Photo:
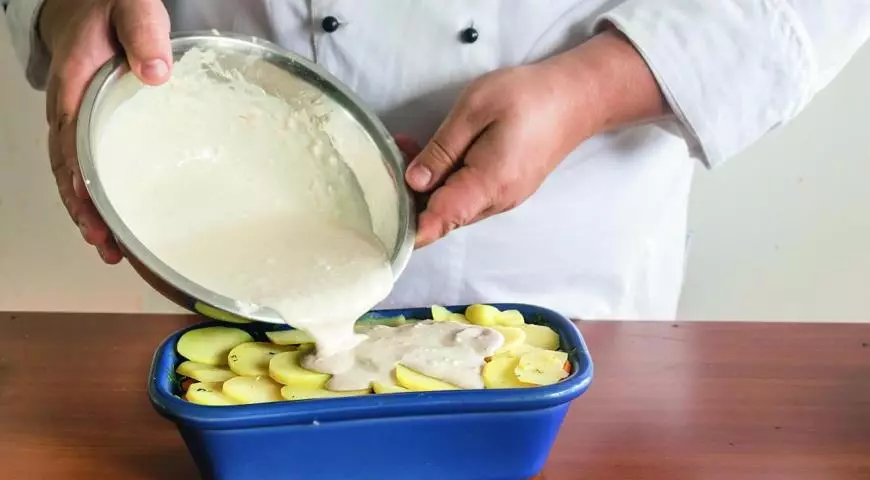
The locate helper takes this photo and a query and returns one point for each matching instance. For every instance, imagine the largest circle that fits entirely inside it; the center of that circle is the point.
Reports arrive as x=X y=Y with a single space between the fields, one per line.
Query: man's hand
x=512 y=127
x=81 y=36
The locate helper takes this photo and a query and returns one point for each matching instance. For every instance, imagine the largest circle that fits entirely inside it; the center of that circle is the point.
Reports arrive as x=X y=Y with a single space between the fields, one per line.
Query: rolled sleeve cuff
x=22 y=17
x=731 y=70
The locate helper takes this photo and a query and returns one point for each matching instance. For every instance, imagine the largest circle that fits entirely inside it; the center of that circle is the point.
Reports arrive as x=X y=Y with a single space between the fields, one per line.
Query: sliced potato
x=286 y=368
x=541 y=336
x=289 y=337
x=202 y=372
x=211 y=345
x=542 y=367
x=207 y=393
x=386 y=321
x=513 y=337
x=366 y=326
x=252 y=390
x=296 y=393
x=252 y=359
x=516 y=351
x=510 y=318
x=441 y=314
x=483 y=315
x=418 y=382
x=500 y=372
x=382 y=388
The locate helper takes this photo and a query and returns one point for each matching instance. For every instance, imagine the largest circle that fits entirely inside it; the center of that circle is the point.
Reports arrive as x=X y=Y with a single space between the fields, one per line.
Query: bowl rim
x=371 y=124
x=374 y=407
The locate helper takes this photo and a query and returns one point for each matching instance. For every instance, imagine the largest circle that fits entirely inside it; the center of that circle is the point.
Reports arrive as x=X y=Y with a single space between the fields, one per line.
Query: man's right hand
x=81 y=36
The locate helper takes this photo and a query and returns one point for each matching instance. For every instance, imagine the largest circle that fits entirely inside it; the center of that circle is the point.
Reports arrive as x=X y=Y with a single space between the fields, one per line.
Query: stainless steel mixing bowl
x=281 y=73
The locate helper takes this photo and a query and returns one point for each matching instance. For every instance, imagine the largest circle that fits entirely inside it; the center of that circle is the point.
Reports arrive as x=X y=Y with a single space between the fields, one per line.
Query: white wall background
x=780 y=233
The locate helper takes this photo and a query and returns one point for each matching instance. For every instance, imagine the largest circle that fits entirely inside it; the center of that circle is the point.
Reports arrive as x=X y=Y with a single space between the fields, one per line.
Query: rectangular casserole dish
x=452 y=435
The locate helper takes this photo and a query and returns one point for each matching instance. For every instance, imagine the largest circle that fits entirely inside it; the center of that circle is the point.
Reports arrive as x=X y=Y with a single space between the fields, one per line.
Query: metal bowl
x=281 y=73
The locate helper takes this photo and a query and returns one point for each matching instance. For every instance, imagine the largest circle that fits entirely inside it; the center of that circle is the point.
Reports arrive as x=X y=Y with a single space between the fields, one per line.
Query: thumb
x=143 y=30
x=443 y=153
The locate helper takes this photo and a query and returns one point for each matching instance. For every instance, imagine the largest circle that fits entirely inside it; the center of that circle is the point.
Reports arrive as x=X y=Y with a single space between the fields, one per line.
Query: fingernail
x=420 y=241
x=155 y=69
x=419 y=176
x=102 y=252
x=425 y=233
x=79 y=186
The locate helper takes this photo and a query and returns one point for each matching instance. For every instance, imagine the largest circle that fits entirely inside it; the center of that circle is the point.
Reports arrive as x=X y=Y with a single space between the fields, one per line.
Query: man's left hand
x=512 y=127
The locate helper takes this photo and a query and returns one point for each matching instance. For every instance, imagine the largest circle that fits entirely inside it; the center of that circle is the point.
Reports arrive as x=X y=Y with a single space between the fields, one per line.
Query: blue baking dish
x=456 y=435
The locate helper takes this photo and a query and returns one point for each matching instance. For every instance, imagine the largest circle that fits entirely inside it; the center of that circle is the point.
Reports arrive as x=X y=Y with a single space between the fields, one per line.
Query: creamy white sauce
x=449 y=351
x=246 y=194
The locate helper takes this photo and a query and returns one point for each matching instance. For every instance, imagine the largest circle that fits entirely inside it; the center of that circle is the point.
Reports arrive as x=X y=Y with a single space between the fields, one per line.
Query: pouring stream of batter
x=245 y=194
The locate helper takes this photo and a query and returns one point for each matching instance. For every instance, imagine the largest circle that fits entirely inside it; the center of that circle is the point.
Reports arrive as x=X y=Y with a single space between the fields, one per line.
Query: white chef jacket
x=604 y=237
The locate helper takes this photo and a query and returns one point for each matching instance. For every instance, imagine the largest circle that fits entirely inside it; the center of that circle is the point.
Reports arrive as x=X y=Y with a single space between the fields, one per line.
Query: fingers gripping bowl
x=503 y=433
x=351 y=127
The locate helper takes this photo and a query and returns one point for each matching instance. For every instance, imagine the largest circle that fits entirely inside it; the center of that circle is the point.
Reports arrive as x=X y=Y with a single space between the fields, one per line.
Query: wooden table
x=669 y=401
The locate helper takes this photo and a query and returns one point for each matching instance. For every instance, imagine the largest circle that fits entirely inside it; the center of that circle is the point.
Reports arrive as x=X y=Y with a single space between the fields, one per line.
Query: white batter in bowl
x=252 y=182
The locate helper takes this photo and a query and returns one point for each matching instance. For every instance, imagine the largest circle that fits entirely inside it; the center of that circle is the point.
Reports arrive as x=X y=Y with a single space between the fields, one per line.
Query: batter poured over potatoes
x=483 y=348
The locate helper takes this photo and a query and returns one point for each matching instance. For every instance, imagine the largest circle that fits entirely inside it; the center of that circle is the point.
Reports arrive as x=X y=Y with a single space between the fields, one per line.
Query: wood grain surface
x=669 y=401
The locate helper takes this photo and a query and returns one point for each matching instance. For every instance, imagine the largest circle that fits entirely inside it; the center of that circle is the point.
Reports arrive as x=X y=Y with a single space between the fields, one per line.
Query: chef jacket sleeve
x=21 y=17
x=733 y=70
